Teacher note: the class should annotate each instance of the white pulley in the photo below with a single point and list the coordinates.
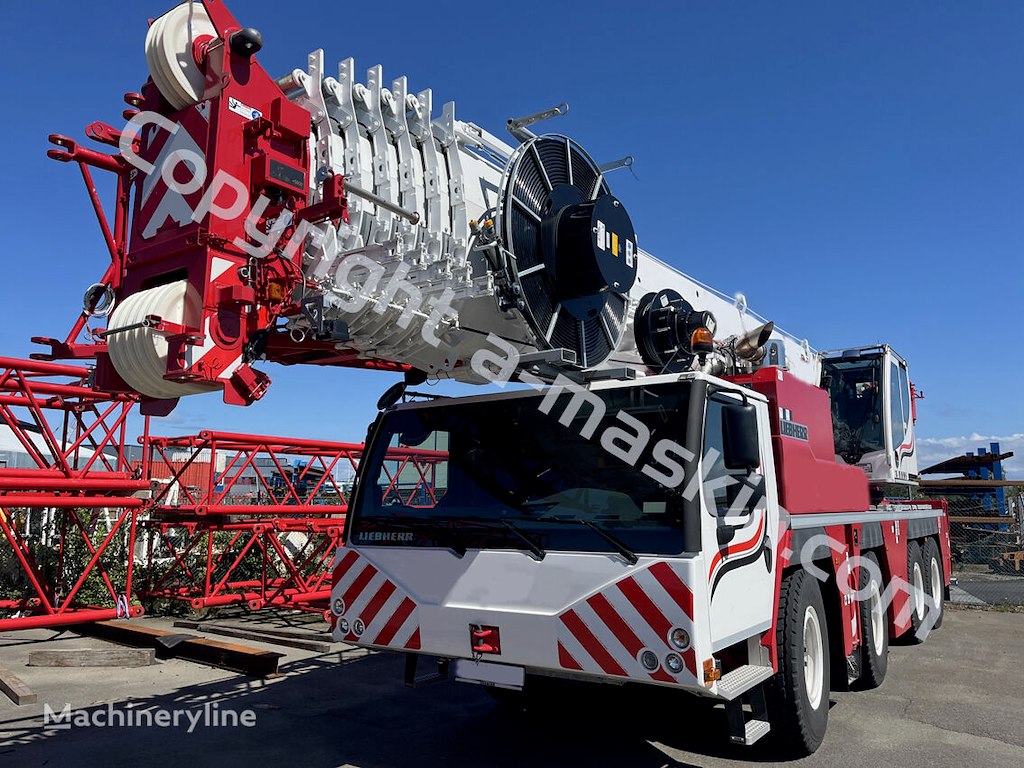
(169, 53)
(138, 352)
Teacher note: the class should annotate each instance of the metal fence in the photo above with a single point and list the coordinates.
(988, 553)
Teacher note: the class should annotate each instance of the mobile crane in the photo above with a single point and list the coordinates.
(682, 495)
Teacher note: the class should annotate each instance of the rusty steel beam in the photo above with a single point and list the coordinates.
(238, 658)
(967, 482)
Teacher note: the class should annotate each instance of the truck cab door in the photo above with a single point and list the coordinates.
(740, 518)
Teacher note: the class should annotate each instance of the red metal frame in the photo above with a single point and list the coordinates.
(201, 545)
(242, 302)
(75, 437)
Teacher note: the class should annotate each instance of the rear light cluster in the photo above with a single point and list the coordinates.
(678, 638)
(338, 608)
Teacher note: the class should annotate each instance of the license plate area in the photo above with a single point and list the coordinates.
(487, 673)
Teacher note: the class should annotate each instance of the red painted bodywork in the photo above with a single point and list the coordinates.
(810, 478)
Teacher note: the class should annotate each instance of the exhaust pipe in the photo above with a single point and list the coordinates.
(750, 346)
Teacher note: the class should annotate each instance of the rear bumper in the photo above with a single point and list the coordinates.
(619, 624)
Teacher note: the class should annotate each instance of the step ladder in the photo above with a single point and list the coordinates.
(744, 685)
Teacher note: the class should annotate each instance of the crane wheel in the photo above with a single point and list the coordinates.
(798, 694)
(874, 623)
(918, 582)
(934, 578)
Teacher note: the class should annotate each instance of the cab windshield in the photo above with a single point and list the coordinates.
(569, 470)
(854, 388)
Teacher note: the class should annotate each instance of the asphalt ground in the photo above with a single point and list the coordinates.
(958, 700)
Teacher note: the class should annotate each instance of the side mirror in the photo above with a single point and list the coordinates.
(739, 433)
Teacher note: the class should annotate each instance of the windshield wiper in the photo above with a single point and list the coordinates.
(531, 545)
(617, 544)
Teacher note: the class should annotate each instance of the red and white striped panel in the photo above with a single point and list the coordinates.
(608, 632)
(378, 612)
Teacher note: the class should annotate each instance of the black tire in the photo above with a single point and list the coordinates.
(934, 578)
(874, 625)
(798, 717)
(916, 581)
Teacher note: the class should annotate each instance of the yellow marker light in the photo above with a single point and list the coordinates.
(711, 672)
(702, 341)
(615, 244)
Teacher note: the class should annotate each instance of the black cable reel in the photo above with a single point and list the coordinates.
(573, 247)
(670, 333)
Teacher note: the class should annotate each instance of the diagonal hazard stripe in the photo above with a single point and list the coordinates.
(342, 567)
(675, 587)
(623, 633)
(691, 661)
(377, 602)
(358, 585)
(566, 660)
(615, 623)
(414, 641)
(645, 606)
(373, 607)
(395, 623)
(591, 644)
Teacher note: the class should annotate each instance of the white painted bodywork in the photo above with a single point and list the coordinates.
(450, 173)
(527, 598)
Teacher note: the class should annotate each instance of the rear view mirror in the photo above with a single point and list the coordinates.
(739, 433)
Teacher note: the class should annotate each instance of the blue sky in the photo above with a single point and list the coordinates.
(856, 169)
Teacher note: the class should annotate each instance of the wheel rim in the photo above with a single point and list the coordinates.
(814, 652)
(877, 617)
(918, 591)
(936, 583)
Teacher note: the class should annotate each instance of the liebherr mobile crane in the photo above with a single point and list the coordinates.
(683, 496)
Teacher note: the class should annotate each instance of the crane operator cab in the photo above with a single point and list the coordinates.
(873, 412)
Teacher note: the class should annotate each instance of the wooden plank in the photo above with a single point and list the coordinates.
(238, 658)
(316, 646)
(993, 519)
(15, 689)
(299, 634)
(93, 657)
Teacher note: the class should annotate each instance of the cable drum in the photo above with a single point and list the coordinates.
(139, 353)
(571, 246)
